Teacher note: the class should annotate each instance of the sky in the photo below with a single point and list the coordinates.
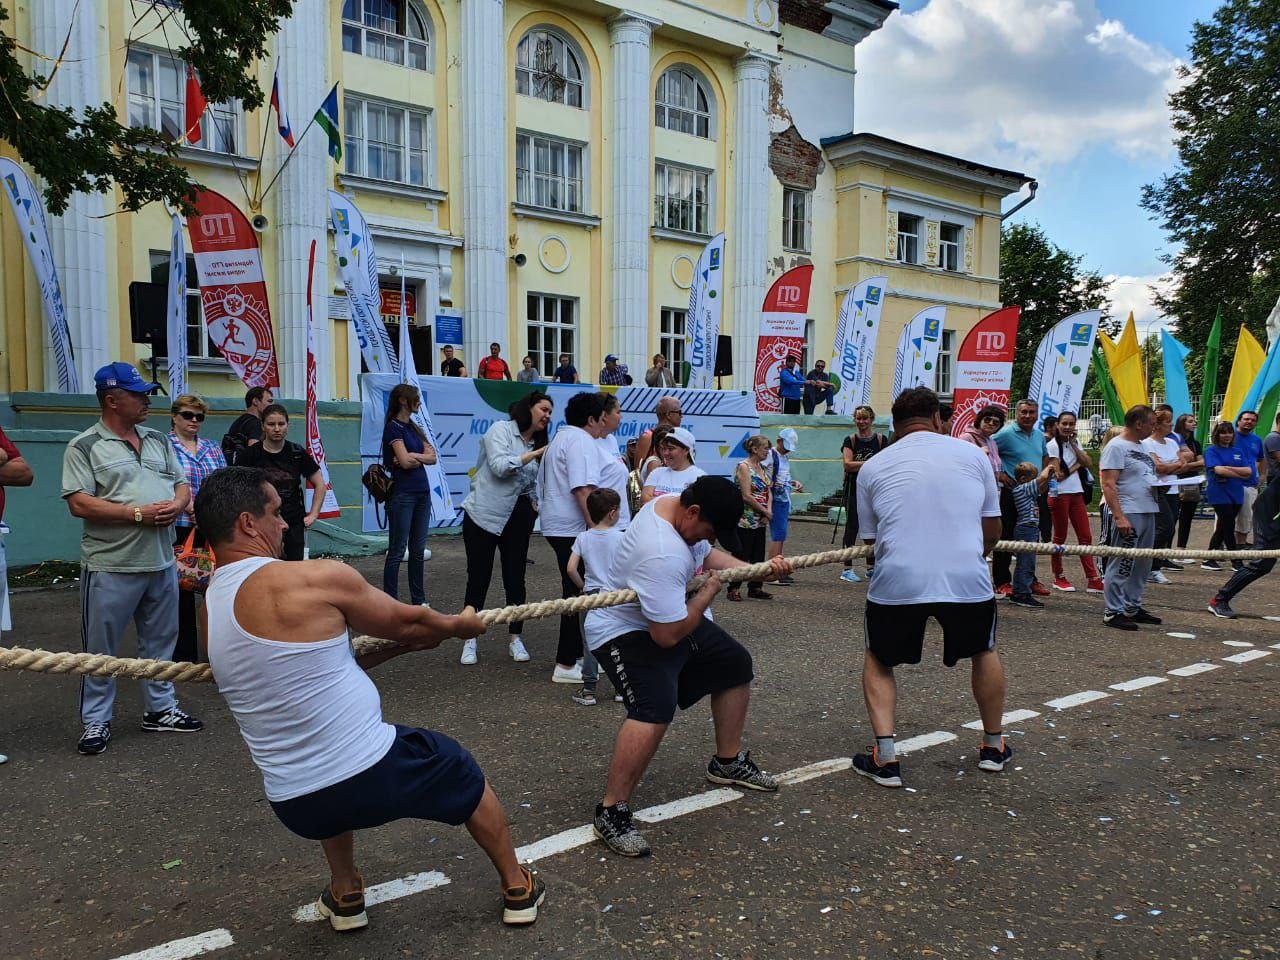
(1071, 92)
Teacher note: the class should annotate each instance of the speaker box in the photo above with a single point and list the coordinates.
(148, 303)
(724, 356)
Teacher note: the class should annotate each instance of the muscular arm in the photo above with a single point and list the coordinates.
(16, 473)
(990, 533)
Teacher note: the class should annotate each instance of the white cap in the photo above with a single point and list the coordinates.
(683, 437)
(789, 439)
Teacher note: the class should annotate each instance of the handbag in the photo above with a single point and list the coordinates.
(195, 564)
(378, 482)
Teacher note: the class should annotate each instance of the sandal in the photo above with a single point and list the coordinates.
(734, 595)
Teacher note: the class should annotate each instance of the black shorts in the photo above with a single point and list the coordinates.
(895, 632)
(654, 680)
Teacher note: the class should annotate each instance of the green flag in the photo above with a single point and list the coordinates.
(1267, 410)
(1115, 412)
(1204, 420)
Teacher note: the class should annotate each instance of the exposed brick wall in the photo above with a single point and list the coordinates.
(807, 14)
(793, 160)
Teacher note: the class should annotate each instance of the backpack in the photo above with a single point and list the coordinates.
(235, 442)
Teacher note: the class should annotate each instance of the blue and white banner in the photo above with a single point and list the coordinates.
(917, 361)
(35, 234)
(702, 324)
(857, 327)
(459, 411)
(358, 267)
(176, 311)
(1062, 363)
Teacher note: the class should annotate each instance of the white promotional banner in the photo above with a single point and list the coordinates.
(461, 410)
(857, 327)
(176, 311)
(315, 447)
(358, 267)
(702, 323)
(917, 361)
(1062, 363)
(35, 235)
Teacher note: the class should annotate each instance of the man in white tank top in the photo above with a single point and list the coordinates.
(278, 640)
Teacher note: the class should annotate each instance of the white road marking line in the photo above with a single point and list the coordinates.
(812, 771)
(1237, 643)
(1182, 636)
(1076, 699)
(561, 842)
(1272, 619)
(1014, 716)
(205, 942)
(1138, 683)
(678, 808)
(1191, 669)
(1276, 646)
(1247, 656)
(383, 892)
(913, 744)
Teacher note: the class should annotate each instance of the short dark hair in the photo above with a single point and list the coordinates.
(582, 407)
(600, 501)
(1049, 422)
(1163, 406)
(492, 345)
(916, 403)
(945, 411)
(253, 395)
(991, 410)
(609, 401)
(1136, 414)
(275, 408)
(227, 493)
(1220, 428)
(719, 499)
(1243, 412)
(522, 410)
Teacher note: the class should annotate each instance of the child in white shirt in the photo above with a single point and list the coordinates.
(595, 547)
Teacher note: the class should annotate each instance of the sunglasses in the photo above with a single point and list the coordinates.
(191, 415)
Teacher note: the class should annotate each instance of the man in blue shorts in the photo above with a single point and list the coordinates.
(779, 467)
(279, 642)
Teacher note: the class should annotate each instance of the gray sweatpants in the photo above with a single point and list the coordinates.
(1126, 577)
(108, 601)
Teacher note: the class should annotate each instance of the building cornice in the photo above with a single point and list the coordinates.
(852, 21)
(524, 210)
(680, 236)
(389, 188)
(882, 264)
(852, 148)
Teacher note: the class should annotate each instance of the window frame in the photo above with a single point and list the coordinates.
(946, 364)
(225, 119)
(954, 247)
(525, 73)
(909, 239)
(355, 141)
(529, 178)
(547, 359)
(670, 343)
(357, 34)
(662, 198)
(789, 222)
(700, 120)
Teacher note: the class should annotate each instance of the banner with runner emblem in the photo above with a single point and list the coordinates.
(1062, 363)
(984, 367)
(702, 323)
(233, 294)
(782, 320)
(917, 361)
(857, 327)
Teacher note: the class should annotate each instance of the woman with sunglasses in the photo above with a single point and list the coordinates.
(199, 458)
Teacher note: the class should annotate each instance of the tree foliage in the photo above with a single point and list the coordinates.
(1049, 284)
(1221, 204)
(71, 153)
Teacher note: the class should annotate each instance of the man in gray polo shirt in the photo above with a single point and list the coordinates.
(1128, 473)
(124, 481)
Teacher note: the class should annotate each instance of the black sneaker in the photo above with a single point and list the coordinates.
(1118, 621)
(520, 904)
(1142, 616)
(886, 774)
(992, 760)
(1220, 608)
(172, 720)
(345, 912)
(786, 582)
(1024, 600)
(741, 772)
(1211, 565)
(95, 738)
(613, 826)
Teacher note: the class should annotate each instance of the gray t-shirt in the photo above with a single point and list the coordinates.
(1137, 474)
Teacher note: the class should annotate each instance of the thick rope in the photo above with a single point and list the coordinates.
(135, 668)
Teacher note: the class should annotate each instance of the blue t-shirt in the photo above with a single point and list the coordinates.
(1224, 490)
(566, 374)
(1016, 447)
(1250, 445)
(405, 481)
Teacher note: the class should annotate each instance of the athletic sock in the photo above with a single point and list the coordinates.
(993, 740)
(727, 760)
(886, 750)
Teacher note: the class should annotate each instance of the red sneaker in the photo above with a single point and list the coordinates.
(1039, 589)
(1063, 584)
(1095, 586)
(1004, 590)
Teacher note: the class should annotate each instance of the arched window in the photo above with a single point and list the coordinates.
(683, 103)
(548, 67)
(397, 31)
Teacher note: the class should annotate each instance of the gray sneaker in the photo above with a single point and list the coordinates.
(741, 772)
(613, 826)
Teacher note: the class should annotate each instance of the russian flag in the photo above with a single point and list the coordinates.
(277, 104)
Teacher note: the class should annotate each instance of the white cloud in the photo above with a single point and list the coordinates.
(1135, 293)
(1020, 83)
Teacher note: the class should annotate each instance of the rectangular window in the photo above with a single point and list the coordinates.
(199, 346)
(671, 338)
(806, 349)
(552, 325)
(549, 173)
(797, 219)
(908, 238)
(950, 238)
(682, 199)
(157, 99)
(388, 30)
(384, 141)
(946, 365)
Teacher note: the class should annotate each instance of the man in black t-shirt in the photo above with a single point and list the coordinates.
(452, 366)
(858, 447)
(246, 430)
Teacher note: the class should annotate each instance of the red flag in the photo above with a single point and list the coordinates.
(196, 106)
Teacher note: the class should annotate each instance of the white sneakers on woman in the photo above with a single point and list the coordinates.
(470, 654)
(518, 653)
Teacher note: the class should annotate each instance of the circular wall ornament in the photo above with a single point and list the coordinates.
(682, 267)
(553, 254)
(765, 13)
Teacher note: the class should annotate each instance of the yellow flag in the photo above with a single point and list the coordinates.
(1244, 370)
(1108, 347)
(1125, 362)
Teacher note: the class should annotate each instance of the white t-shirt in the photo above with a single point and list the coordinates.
(597, 547)
(1165, 450)
(654, 561)
(1067, 455)
(572, 460)
(613, 473)
(922, 500)
(665, 480)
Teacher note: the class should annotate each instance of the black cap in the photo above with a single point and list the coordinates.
(720, 501)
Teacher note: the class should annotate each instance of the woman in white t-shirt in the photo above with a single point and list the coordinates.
(612, 467)
(1168, 455)
(1071, 506)
(678, 471)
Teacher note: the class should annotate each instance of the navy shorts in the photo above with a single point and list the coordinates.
(778, 522)
(654, 680)
(895, 632)
(424, 776)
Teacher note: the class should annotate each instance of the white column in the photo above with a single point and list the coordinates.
(484, 177)
(629, 35)
(749, 240)
(301, 204)
(77, 237)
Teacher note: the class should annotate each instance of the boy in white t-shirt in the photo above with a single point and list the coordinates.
(595, 547)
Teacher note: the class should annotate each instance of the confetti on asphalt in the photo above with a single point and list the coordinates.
(1104, 819)
(1120, 916)
(914, 790)
(806, 811)
(607, 908)
(958, 858)
(826, 909)
(903, 830)
(1155, 913)
(170, 864)
(764, 839)
(1011, 813)
(1183, 636)
(778, 824)
(1009, 934)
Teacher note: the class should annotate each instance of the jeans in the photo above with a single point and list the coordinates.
(512, 544)
(569, 646)
(1025, 569)
(1224, 531)
(811, 403)
(1000, 561)
(408, 520)
(1126, 577)
(1069, 508)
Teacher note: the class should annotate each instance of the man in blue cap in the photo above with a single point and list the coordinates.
(124, 481)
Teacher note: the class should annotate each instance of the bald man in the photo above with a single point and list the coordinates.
(668, 414)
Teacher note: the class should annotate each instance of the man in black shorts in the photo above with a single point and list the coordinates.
(663, 652)
(929, 503)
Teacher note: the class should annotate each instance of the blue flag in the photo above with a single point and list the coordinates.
(1176, 392)
(1268, 378)
(327, 120)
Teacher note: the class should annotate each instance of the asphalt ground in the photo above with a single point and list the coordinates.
(1141, 824)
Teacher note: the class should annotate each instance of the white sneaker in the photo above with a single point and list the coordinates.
(518, 653)
(849, 576)
(469, 655)
(426, 554)
(567, 674)
(1157, 576)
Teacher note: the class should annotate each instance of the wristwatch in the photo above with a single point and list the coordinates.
(137, 514)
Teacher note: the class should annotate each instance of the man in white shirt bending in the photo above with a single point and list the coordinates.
(930, 505)
(279, 642)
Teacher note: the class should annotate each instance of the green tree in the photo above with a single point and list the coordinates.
(1222, 202)
(224, 39)
(1049, 284)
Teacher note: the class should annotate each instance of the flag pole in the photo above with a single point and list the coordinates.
(262, 144)
(263, 195)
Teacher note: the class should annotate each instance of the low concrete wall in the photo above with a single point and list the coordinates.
(817, 462)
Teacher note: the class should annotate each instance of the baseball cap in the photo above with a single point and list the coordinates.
(789, 439)
(123, 376)
(612, 357)
(721, 503)
(684, 437)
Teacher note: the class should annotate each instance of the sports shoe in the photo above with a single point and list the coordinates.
(469, 653)
(992, 760)
(1142, 616)
(1039, 589)
(741, 772)
(345, 912)
(1024, 600)
(567, 674)
(172, 720)
(1063, 584)
(520, 904)
(848, 576)
(759, 595)
(516, 648)
(1183, 561)
(1096, 586)
(1211, 565)
(1004, 590)
(95, 738)
(786, 582)
(886, 774)
(1157, 576)
(613, 826)
(1220, 608)
(586, 697)
(1118, 620)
